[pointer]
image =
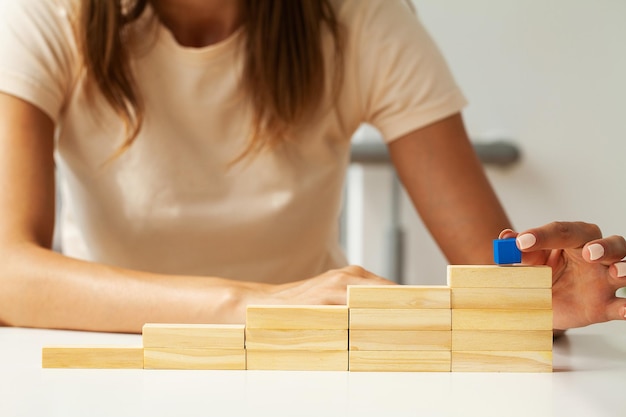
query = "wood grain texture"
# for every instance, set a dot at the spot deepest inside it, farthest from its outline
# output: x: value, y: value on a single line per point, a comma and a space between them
x: 297, y: 317
x: 400, y: 319
x: 499, y: 276
x: 216, y: 336
x: 94, y: 357
x: 400, y: 340
x: 399, y: 361
x: 398, y: 296
x: 502, y: 298
x: 495, y: 319
x: 507, y: 361
x: 297, y: 360
x: 168, y: 358
x: 503, y: 340
x: 296, y: 339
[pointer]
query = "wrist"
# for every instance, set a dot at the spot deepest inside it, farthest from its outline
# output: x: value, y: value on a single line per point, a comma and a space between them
x: 242, y: 294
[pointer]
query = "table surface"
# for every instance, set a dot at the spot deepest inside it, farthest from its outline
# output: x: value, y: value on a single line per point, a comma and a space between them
x: 589, y: 379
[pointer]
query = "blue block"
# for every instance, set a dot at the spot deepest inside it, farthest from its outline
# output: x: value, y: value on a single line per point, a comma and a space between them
x: 505, y: 251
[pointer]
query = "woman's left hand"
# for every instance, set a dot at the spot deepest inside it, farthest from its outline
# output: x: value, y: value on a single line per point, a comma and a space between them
x: 586, y: 270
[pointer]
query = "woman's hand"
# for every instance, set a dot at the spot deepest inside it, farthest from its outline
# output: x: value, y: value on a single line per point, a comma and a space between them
x: 327, y: 288
x: 586, y: 270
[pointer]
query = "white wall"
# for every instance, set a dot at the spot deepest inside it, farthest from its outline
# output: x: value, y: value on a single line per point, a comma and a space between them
x: 549, y: 75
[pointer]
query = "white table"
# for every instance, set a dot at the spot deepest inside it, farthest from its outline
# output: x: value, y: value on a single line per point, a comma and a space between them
x: 589, y: 380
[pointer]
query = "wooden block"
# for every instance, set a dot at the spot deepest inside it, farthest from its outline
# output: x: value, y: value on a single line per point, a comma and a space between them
x: 168, y: 358
x: 521, y: 340
x: 399, y: 361
x: 400, y: 340
x: 399, y: 319
x: 398, y: 296
x: 296, y: 339
x: 495, y: 319
x: 297, y: 360
x: 502, y: 298
x: 474, y: 361
x: 495, y: 276
x: 297, y: 317
x: 215, y: 336
x: 96, y: 357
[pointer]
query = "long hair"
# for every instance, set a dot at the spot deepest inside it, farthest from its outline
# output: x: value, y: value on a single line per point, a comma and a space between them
x: 284, y: 69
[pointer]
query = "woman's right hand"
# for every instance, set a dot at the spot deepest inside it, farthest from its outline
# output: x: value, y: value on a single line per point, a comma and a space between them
x: 327, y: 288
x: 586, y: 270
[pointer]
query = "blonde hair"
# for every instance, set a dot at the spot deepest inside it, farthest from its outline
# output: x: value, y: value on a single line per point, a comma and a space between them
x: 283, y: 74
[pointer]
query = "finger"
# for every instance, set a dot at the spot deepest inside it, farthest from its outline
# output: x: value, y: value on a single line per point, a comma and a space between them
x: 616, y: 309
x: 370, y: 280
x: 378, y: 280
x: 617, y: 275
x: 606, y: 251
x: 507, y: 234
x: 528, y: 258
x: 558, y: 235
x: 360, y: 272
x: 618, y: 272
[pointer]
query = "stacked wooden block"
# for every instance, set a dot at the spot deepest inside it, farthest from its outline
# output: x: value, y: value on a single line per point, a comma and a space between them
x: 165, y: 346
x: 313, y: 338
x: 488, y: 319
x: 501, y: 318
x: 399, y: 328
x: 194, y: 346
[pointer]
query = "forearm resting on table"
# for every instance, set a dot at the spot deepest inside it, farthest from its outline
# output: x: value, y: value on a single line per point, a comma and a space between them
x: 41, y: 288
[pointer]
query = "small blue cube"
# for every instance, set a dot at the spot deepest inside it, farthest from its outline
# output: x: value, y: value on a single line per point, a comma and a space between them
x: 505, y: 251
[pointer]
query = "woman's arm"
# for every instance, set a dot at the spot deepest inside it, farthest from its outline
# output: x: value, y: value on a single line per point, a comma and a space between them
x: 41, y: 288
x: 447, y: 184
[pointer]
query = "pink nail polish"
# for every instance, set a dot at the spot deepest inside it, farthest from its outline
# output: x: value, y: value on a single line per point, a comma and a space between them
x: 621, y: 269
x: 596, y: 251
x: 526, y: 241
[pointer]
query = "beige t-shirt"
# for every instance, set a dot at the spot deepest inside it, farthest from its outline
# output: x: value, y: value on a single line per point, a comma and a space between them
x: 170, y: 204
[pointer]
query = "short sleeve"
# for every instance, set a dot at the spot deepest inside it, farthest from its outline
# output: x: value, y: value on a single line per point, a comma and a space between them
x: 37, y: 52
x: 404, y: 80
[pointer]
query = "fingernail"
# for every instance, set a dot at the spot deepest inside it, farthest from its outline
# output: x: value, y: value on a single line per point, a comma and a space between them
x: 596, y: 251
x: 621, y: 269
x: 526, y: 241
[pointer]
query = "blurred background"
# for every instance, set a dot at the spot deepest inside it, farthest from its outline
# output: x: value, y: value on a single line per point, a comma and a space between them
x: 546, y: 76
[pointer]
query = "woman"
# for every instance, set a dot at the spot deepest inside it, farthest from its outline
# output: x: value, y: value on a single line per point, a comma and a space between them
x: 202, y: 146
